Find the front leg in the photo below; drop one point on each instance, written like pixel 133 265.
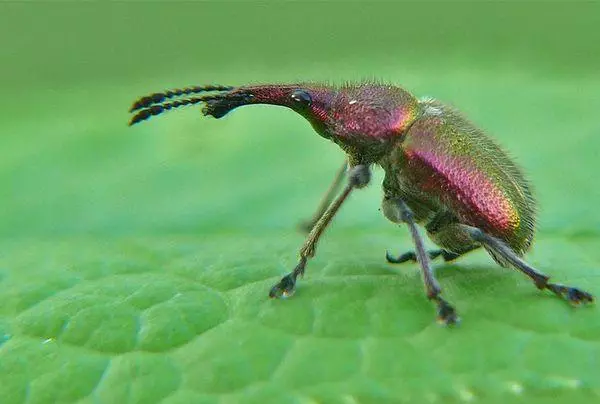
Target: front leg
pixel 398 211
pixel 358 177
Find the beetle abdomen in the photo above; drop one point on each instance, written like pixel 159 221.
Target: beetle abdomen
pixel 448 159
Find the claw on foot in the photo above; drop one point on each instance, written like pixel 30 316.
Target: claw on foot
pixel 409 256
pixel 447 315
pixel 577 296
pixel 572 295
pixel 285 288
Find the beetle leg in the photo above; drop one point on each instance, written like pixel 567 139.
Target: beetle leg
pixel 307 225
pixel 446 313
pixel 573 295
pixel 358 177
pixel 411 256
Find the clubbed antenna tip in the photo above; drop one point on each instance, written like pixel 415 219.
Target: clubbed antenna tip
pixel 158 98
pixel 158 109
pixel 154 104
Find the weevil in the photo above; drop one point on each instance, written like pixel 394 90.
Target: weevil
pixel 441 171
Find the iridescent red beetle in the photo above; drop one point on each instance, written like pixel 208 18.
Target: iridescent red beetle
pixel 440 171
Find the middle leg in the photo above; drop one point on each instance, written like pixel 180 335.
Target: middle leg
pixel 397 211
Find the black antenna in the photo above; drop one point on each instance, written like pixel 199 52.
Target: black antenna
pixel 158 109
pixel 158 98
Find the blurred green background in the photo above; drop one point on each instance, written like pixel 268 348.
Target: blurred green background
pixel 109 224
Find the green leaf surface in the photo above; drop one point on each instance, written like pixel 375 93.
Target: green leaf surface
pixel 135 262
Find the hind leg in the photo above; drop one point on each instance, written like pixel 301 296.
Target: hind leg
pixel 446 232
pixel 500 249
pixel 411 256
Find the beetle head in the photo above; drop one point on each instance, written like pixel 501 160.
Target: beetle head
pixel 362 118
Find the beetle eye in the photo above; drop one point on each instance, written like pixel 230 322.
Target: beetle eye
pixel 301 98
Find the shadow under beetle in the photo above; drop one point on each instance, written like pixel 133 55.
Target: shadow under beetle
pixel 440 171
